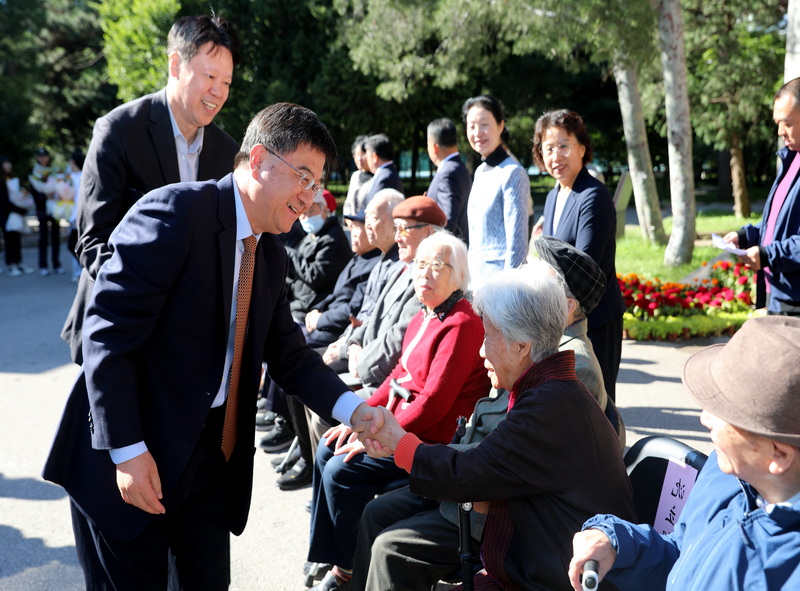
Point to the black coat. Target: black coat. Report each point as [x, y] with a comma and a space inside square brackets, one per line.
[315, 265]
[552, 463]
[131, 153]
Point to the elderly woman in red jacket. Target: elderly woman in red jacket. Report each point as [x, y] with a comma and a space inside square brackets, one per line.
[438, 378]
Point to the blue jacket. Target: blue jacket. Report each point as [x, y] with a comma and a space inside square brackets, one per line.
[722, 541]
[782, 256]
[347, 296]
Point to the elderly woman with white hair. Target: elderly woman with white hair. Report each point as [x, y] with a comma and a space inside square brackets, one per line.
[553, 459]
[438, 378]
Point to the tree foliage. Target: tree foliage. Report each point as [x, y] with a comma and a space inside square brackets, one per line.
[734, 53]
[135, 40]
[72, 86]
[20, 21]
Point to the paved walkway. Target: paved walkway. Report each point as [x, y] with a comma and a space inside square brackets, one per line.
[36, 548]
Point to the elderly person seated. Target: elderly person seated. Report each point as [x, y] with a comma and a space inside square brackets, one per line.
[553, 460]
[739, 528]
[438, 378]
[315, 264]
[374, 347]
[400, 528]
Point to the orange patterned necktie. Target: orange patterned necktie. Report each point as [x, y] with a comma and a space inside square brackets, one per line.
[242, 309]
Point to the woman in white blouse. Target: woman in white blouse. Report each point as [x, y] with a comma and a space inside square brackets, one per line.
[497, 212]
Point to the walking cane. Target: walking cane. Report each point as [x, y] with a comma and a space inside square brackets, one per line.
[464, 528]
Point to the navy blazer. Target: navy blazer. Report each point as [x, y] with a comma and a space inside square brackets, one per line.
[589, 223]
[450, 188]
[156, 335]
[386, 177]
[132, 152]
[782, 255]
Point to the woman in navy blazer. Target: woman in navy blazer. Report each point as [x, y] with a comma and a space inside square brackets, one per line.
[579, 210]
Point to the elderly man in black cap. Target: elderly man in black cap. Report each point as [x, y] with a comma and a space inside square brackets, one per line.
[740, 528]
[399, 528]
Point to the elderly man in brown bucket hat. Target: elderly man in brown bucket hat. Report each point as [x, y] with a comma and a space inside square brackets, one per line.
[741, 526]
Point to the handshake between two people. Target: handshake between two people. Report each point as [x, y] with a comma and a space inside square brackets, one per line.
[374, 430]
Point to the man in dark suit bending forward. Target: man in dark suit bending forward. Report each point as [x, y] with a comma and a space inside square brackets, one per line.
[153, 497]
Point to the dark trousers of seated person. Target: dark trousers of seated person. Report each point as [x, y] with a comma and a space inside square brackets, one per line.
[405, 543]
[188, 548]
[297, 414]
[339, 493]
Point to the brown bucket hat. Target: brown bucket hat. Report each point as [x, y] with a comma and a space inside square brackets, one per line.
[753, 381]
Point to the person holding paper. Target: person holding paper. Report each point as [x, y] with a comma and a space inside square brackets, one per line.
[740, 528]
[772, 246]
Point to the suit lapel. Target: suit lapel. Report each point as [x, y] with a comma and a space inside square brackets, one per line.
[163, 138]
[227, 244]
[568, 213]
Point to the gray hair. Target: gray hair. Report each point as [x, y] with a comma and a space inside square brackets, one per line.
[458, 253]
[578, 314]
[385, 198]
[526, 306]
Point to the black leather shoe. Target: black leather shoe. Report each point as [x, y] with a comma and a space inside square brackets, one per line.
[330, 583]
[288, 460]
[265, 420]
[299, 476]
[314, 571]
[279, 438]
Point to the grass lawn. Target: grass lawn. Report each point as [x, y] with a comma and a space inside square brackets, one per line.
[635, 256]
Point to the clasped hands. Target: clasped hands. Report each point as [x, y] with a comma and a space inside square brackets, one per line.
[375, 431]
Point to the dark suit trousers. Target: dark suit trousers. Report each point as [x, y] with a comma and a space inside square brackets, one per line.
[607, 345]
[340, 491]
[48, 228]
[405, 543]
[187, 548]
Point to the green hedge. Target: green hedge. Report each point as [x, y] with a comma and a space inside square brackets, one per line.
[673, 328]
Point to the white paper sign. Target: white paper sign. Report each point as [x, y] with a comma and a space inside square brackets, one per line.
[678, 483]
[717, 241]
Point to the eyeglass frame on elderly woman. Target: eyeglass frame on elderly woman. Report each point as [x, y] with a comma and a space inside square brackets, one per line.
[562, 150]
[404, 230]
[436, 265]
[306, 181]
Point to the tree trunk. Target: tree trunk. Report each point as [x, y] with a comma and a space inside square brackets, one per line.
[679, 133]
[639, 162]
[791, 66]
[741, 200]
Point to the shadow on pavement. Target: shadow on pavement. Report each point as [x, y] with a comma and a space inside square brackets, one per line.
[635, 376]
[658, 420]
[29, 489]
[20, 554]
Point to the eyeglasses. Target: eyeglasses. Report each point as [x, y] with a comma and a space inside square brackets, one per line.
[306, 181]
[563, 150]
[403, 230]
[435, 264]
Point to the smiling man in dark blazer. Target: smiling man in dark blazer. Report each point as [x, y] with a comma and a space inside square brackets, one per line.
[155, 140]
[452, 182]
[139, 446]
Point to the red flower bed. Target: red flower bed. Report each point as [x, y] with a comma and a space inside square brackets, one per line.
[730, 288]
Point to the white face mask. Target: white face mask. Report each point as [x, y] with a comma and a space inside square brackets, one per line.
[312, 224]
